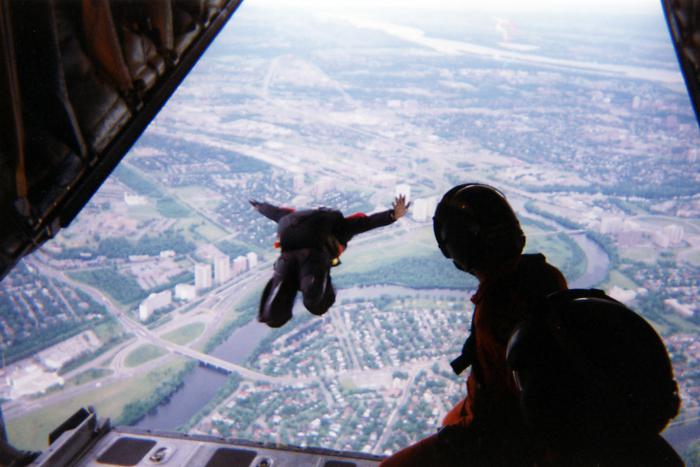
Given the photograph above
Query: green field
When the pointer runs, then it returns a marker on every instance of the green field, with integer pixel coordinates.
(644, 254)
(89, 375)
(199, 229)
(185, 334)
(31, 430)
(233, 248)
(143, 354)
(386, 249)
(134, 179)
(108, 330)
(169, 207)
(211, 232)
(199, 197)
(412, 259)
(692, 256)
(616, 278)
(561, 251)
(144, 212)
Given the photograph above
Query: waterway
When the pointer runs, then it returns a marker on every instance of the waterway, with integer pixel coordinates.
(202, 384)
(597, 263)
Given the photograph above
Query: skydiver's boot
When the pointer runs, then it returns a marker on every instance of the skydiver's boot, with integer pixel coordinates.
(315, 283)
(277, 299)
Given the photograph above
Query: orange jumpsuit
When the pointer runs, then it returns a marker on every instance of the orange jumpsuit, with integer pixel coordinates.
(491, 427)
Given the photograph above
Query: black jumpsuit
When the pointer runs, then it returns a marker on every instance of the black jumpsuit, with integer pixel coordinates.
(310, 240)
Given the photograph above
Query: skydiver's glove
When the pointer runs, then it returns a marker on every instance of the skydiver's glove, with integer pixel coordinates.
(463, 362)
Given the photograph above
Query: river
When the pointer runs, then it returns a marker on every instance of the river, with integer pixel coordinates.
(202, 384)
(597, 263)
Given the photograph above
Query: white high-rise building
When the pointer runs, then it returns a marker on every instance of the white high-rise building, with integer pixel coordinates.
(403, 189)
(202, 276)
(240, 264)
(419, 209)
(154, 302)
(222, 269)
(422, 209)
(252, 258)
(185, 292)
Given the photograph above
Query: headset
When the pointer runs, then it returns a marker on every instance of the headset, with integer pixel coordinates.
(586, 365)
(479, 240)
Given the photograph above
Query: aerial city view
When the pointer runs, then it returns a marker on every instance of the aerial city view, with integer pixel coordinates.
(145, 307)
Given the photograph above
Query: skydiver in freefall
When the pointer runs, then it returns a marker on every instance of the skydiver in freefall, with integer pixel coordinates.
(311, 242)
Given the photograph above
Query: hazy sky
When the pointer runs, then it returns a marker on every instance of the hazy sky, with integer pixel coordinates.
(500, 6)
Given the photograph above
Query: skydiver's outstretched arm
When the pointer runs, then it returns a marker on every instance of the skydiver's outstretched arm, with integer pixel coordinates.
(359, 223)
(270, 211)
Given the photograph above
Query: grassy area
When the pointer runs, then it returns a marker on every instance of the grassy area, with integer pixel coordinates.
(189, 228)
(143, 354)
(211, 232)
(143, 212)
(644, 254)
(560, 251)
(693, 257)
(31, 430)
(233, 248)
(347, 383)
(185, 334)
(163, 320)
(109, 329)
(386, 249)
(199, 197)
(89, 375)
(169, 207)
(136, 181)
(412, 259)
(616, 278)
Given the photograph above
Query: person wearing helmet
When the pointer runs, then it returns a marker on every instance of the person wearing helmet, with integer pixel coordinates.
(595, 383)
(311, 242)
(477, 229)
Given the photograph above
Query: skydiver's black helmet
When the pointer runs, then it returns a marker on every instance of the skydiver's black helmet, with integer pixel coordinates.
(589, 368)
(475, 226)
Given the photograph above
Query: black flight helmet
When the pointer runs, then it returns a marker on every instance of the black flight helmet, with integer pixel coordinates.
(589, 368)
(475, 227)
